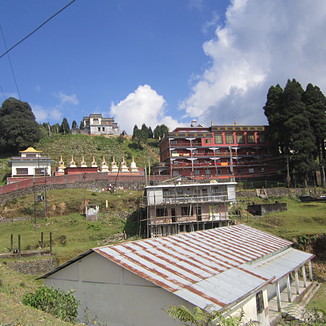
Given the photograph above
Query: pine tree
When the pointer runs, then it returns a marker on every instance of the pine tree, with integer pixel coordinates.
(316, 108)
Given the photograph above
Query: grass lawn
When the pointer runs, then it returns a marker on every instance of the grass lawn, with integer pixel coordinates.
(13, 286)
(299, 219)
(319, 300)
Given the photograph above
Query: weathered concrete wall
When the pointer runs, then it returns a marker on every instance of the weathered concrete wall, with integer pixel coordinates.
(262, 209)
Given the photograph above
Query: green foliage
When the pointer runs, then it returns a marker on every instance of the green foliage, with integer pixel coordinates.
(297, 127)
(18, 128)
(201, 317)
(61, 304)
(64, 128)
(160, 131)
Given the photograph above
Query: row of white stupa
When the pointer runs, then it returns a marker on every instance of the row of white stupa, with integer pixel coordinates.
(104, 167)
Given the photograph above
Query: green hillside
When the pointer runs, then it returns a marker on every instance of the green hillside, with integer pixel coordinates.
(88, 146)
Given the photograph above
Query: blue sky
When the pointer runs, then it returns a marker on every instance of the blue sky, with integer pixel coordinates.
(163, 61)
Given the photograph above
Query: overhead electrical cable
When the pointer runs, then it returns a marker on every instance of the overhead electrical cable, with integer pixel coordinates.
(37, 28)
(11, 68)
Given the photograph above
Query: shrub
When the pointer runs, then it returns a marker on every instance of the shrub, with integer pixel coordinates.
(61, 304)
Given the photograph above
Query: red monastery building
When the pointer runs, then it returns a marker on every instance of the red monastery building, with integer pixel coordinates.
(236, 152)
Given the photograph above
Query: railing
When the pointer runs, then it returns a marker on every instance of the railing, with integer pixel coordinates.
(206, 217)
(186, 199)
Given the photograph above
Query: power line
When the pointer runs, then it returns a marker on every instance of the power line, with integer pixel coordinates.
(37, 28)
(12, 69)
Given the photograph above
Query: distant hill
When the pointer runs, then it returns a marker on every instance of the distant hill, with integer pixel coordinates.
(88, 146)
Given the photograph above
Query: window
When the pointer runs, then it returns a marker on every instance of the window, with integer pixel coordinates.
(251, 170)
(161, 212)
(186, 210)
(30, 155)
(99, 128)
(207, 141)
(40, 171)
(229, 138)
(22, 171)
(251, 138)
(261, 138)
(218, 139)
(240, 139)
(207, 171)
(103, 128)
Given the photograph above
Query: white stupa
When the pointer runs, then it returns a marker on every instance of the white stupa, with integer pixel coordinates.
(83, 164)
(114, 166)
(124, 167)
(61, 166)
(72, 163)
(104, 166)
(133, 166)
(94, 164)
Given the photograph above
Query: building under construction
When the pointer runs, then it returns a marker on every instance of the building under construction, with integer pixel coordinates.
(184, 207)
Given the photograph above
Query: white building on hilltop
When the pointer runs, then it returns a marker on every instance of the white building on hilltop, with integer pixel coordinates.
(229, 269)
(95, 124)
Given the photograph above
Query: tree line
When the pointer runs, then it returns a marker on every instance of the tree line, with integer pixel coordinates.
(19, 129)
(297, 129)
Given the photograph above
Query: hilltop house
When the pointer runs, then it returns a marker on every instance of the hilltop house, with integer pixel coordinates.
(29, 164)
(229, 269)
(183, 207)
(95, 124)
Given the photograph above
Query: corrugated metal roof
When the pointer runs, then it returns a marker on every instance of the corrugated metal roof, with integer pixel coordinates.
(213, 267)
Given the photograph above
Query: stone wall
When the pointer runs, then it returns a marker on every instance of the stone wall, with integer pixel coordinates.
(38, 266)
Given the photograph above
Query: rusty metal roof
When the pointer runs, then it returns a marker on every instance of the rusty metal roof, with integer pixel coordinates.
(207, 268)
(214, 268)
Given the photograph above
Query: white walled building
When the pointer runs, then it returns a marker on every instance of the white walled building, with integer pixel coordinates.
(181, 207)
(95, 124)
(29, 164)
(228, 269)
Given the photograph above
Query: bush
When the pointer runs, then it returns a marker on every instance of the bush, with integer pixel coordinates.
(61, 304)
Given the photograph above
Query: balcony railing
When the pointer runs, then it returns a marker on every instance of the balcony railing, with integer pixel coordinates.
(186, 199)
(207, 217)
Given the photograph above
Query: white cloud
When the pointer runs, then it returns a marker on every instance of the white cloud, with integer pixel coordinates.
(43, 114)
(143, 105)
(261, 43)
(65, 98)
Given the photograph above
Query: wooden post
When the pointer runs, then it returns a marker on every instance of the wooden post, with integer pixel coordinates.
(18, 242)
(42, 240)
(11, 242)
(50, 242)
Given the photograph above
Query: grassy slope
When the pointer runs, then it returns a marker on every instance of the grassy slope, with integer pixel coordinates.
(73, 235)
(299, 218)
(13, 286)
